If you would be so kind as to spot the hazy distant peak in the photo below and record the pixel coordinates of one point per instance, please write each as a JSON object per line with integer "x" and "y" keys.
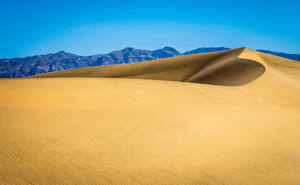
{"x": 128, "y": 49}
{"x": 165, "y": 52}
{"x": 167, "y": 48}
{"x": 63, "y": 53}
{"x": 205, "y": 50}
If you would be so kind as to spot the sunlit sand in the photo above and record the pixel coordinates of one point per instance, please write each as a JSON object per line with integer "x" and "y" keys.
{"x": 222, "y": 118}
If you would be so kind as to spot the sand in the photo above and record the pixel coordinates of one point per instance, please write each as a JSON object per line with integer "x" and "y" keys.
{"x": 230, "y": 118}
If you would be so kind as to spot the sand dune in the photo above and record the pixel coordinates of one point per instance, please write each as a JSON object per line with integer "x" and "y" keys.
{"x": 219, "y": 68}
{"x": 238, "y": 123}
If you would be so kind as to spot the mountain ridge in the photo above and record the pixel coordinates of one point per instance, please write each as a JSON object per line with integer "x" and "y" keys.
{"x": 38, "y": 64}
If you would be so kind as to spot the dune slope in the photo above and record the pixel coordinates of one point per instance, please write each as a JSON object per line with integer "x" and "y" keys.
{"x": 145, "y": 123}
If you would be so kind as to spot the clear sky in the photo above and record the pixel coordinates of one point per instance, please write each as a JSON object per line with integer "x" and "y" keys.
{"x": 86, "y": 27}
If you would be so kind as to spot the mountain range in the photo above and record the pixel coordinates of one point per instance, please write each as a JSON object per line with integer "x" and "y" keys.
{"x": 28, "y": 66}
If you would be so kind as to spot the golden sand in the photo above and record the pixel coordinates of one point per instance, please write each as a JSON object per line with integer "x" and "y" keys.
{"x": 238, "y": 123}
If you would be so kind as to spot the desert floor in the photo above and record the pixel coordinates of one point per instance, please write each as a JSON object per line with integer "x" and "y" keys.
{"x": 223, "y": 118}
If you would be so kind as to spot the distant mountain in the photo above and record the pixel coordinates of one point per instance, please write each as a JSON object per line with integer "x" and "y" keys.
{"x": 165, "y": 52}
{"x": 28, "y": 66}
{"x": 205, "y": 50}
{"x": 280, "y": 54}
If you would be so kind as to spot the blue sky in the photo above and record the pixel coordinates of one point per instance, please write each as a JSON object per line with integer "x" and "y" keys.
{"x": 86, "y": 27}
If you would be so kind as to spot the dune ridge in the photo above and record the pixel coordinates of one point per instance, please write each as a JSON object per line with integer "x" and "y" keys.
{"x": 238, "y": 123}
{"x": 218, "y": 68}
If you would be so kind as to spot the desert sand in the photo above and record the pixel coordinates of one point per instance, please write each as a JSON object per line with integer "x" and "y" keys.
{"x": 222, "y": 118}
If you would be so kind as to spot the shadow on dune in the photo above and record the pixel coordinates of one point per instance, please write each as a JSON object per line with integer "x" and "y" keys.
{"x": 234, "y": 73}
